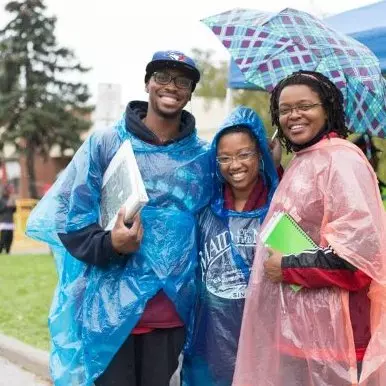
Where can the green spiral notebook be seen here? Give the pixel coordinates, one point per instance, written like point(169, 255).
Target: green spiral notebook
point(285, 235)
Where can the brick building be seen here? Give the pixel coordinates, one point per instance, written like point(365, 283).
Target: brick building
point(46, 172)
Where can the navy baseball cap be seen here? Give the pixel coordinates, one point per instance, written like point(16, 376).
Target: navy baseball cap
point(172, 59)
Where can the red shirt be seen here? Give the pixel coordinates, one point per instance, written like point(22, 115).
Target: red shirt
point(160, 311)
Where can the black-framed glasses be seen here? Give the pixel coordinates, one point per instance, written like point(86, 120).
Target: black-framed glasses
point(287, 110)
point(180, 81)
point(243, 156)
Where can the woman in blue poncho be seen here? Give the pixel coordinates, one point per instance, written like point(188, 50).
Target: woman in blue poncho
point(246, 179)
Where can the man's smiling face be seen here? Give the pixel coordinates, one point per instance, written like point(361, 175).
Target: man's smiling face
point(167, 100)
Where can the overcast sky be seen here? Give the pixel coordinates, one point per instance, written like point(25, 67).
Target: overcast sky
point(118, 37)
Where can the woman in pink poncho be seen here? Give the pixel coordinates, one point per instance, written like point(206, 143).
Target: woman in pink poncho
point(333, 330)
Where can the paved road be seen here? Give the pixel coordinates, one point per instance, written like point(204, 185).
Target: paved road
point(11, 375)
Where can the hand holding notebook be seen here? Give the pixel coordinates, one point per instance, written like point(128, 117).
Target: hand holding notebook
point(283, 233)
point(272, 265)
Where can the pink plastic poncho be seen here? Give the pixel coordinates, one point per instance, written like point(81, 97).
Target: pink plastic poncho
point(305, 338)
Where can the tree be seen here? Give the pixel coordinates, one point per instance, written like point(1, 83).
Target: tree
point(38, 107)
point(257, 100)
point(213, 75)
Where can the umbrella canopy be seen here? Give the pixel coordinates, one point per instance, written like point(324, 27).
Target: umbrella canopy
point(236, 79)
point(267, 48)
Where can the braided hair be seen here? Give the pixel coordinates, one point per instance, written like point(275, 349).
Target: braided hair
point(330, 96)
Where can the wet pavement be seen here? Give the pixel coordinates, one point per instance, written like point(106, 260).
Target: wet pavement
point(12, 375)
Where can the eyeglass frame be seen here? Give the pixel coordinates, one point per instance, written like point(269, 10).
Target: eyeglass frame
point(236, 157)
point(172, 79)
point(304, 107)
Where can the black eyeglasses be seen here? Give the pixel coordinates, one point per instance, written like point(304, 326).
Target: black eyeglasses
point(287, 110)
point(180, 81)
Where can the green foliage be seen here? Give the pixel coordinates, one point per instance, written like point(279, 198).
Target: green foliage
point(257, 100)
point(39, 106)
point(213, 75)
point(27, 285)
point(380, 143)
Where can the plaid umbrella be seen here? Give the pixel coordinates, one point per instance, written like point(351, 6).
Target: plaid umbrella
point(267, 48)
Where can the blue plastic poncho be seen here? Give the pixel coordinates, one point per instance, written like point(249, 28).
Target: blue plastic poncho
point(95, 309)
point(227, 242)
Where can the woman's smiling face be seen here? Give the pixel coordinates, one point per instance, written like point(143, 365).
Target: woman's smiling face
point(301, 113)
point(242, 169)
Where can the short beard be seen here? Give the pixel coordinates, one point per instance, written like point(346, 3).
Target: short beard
point(169, 116)
point(166, 115)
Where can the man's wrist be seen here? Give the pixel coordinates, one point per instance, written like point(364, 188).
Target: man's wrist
point(109, 247)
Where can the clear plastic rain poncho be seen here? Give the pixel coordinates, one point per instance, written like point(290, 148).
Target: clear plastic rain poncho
point(95, 309)
point(305, 338)
point(227, 242)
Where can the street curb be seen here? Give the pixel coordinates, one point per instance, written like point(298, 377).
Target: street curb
point(25, 356)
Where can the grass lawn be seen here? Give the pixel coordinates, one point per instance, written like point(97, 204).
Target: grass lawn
point(27, 283)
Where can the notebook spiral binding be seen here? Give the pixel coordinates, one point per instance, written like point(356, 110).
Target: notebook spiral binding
point(299, 228)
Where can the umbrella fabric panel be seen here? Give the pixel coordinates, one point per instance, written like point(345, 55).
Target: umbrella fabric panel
point(268, 48)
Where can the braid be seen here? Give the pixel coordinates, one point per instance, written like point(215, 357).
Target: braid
point(330, 96)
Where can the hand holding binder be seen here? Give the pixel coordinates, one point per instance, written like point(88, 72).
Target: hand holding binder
point(273, 266)
point(284, 234)
point(123, 239)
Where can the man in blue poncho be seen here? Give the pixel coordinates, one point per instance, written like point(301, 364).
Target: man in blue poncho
point(124, 295)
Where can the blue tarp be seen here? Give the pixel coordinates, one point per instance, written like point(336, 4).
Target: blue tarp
point(237, 80)
point(366, 24)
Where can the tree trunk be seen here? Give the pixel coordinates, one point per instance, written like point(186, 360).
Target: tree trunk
point(30, 157)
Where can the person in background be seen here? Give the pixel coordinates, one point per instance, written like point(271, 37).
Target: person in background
point(7, 226)
point(125, 295)
point(245, 181)
point(324, 333)
point(373, 154)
